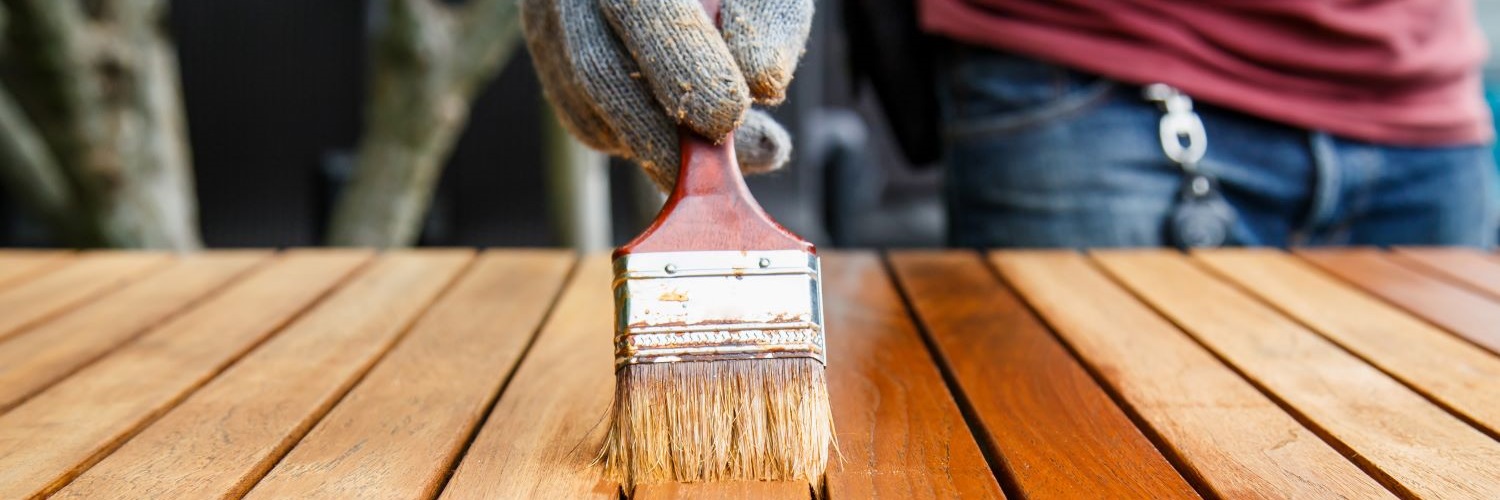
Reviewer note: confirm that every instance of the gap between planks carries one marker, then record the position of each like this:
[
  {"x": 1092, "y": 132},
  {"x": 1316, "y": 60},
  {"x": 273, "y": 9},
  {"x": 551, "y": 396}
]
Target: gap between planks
[
  {"x": 1053, "y": 430},
  {"x": 1230, "y": 436},
  {"x": 1414, "y": 447}
]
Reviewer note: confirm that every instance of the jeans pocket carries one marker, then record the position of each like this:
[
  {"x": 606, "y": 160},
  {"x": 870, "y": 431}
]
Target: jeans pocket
[{"x": 992, "y": 92}]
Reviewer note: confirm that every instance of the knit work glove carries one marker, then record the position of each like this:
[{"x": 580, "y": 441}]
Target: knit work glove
[{"x": 623, "y": 73}]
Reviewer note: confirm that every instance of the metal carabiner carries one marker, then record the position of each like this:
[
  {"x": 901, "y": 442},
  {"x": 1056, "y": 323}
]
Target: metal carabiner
[
  {"x": 1177, "y": 128},
  {"x": 1183, "y": 138},
  {"x": 1201, "y": 218}
]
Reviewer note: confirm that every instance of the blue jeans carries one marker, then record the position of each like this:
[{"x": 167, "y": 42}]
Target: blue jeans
[{"x": 1043, "y": 156}]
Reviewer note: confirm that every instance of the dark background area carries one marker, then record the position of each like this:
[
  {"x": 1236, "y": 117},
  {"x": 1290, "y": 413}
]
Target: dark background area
[
  {"x": 274, "y": 94},
  {"x": 274, "y": 91}
]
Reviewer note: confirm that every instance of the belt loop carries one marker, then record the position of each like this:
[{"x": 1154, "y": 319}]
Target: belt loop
[{"x": 1326, "y": 185}]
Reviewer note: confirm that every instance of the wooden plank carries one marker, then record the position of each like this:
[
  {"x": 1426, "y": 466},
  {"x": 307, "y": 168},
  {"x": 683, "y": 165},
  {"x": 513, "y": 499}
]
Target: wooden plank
[
  {"x": 546, "y": 430},
  {"x": 1466, "y": 266},
  {"x": 1229, "y": 437},
  {"x": 35, "y": 358},
  {"x": 1465, "y": 313},
  {"x": 105, "y": 403},
  {"x": 91, "y": 275},
  {"x": 541, "y": 439},
  {"x": 729, "y": 490},
  {"x": 899, "y": 431},
  {"x": 17, "y": 266},
  {"x": 398, "y": 433},
  {"x": 228, "y": 434},
  {"x": 1448, "y": 370},
  {"x": 1415, "y": 448},
  {"x": 1056, "y": 433}
]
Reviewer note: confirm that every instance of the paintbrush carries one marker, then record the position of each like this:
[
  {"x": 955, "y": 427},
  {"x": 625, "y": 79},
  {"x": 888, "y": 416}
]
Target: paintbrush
[{"x": 718, "y": 337}]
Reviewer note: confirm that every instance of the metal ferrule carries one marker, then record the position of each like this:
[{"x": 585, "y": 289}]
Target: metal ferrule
[{"x": 708, "y": 306}]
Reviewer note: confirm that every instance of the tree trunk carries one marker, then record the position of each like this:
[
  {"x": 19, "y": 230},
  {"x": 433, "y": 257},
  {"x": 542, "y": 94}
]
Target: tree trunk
[
  {"x": 428, "y": 61},
  {"x": 98, "y": 83}
]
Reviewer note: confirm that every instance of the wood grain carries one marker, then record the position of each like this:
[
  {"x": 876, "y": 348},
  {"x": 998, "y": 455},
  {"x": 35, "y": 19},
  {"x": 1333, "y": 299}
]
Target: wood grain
[
  {"x": 107, "y": 402},
  {"x": 88, "y": 276},
  {"x": 37, "y": 357},
  {"x": 728, "y": 490},
  {"x": 397, "y": 434},
  {"x": 1056, "y": 433},
  {"x": 1415, "y": 448},
  {"x": 227, "y": 435},
  {"x": 543, "y": 434},
  {"x": 1463, "y": 312},
  {"x": 17, "y": 266},
  {"x": 1446, "y": 369},
  {"x": 899, "y": 431},
  {"x": 1230, "y": 437},
  {"x": 1466, "y": 266}
]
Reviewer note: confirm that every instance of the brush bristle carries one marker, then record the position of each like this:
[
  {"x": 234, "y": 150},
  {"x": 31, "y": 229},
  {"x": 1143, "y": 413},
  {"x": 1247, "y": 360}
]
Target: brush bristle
[{"x": 755, "y": 420}]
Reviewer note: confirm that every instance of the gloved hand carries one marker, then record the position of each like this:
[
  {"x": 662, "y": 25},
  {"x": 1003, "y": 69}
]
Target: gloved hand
[{"x": 623, "y": 73}]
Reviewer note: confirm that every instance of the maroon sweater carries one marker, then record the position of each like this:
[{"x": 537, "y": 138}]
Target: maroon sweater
[{"x": 1403, "y": 72}]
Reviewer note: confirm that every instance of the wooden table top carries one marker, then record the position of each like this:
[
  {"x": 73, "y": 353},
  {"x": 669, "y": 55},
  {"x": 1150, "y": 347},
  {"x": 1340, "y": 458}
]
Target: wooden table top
[{"x": 448, "y": 373}]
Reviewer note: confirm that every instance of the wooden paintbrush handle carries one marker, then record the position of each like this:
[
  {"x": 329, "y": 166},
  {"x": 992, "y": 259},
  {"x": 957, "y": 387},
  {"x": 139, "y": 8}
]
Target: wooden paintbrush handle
[{"x": 711, "y": 207}]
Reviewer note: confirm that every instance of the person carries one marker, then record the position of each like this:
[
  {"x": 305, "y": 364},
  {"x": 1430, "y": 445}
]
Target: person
[
  {"x": 1078, "y": 123},
  {"x": 623, "y": 74}
]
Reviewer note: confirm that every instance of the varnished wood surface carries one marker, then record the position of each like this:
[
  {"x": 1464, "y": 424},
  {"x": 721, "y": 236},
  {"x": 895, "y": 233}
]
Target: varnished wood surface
[
  {"x": 1230, "y": 437},
  {"x": 108, "y": 402},
  {"x": 899, "y": 430},
  {"x": 33, "y": 359},
  {"x": 16, "y": 266},
  {"x": 1445, "y": 368},
  {"x": 449, "y": 374},
  {"x": 1464, "y": 266},
  {"x": 1414, "y": 447},
  {"x": 82, "y": 278},
  {"x": 722, "y": 491},
  {"x": 222, "y": 439},
  {"x": 1457, "y": 309},
  {"x": 398, "y": 433},
  {"x": 543, "y": 435},
  {"x": 1025, "y": 388}
]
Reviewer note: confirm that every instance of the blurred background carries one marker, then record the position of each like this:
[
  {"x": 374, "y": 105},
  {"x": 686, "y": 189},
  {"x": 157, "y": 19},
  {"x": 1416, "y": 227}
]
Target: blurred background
[{"x": 274, "y": 93}]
